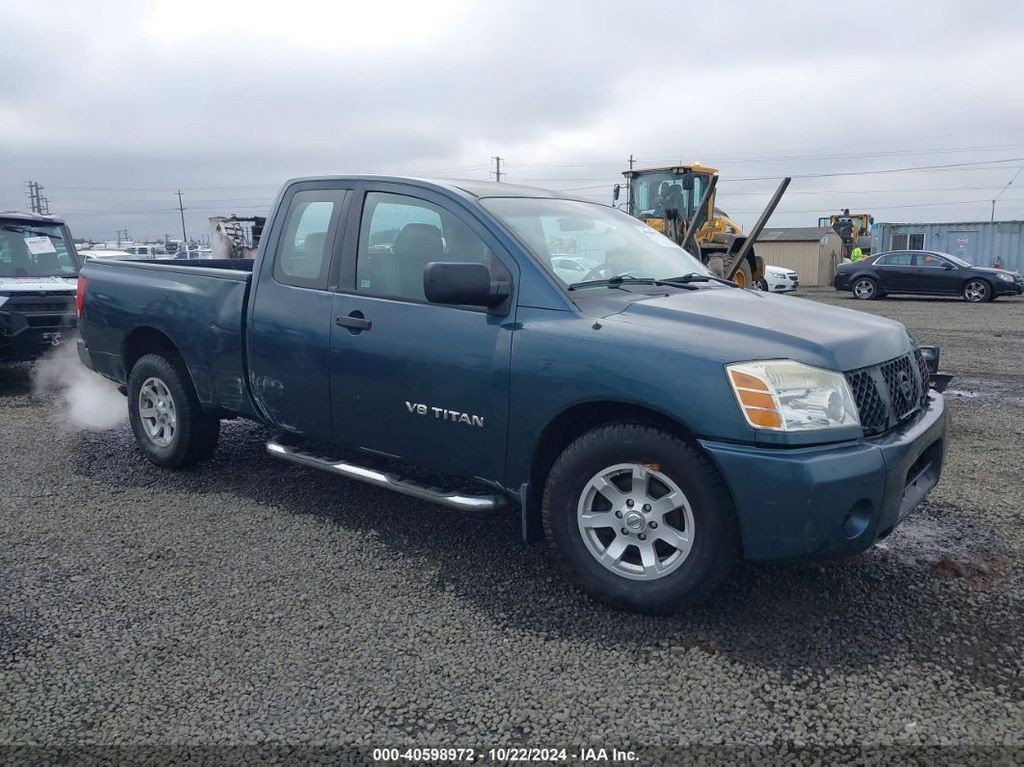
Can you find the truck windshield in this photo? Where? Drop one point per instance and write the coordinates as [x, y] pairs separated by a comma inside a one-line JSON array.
[[582, 241], [34, 250]]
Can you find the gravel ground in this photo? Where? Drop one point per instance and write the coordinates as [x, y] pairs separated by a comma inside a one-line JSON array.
[[252, 601]]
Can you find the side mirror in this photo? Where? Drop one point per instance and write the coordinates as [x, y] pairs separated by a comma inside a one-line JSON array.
[[948, 267], [462, 284], [616, 191]]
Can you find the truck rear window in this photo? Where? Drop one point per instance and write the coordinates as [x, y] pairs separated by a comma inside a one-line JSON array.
[[34, 250]]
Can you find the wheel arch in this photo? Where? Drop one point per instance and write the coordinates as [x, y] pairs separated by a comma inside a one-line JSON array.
[[570, 423], [866, 276], [144, 340], [978, 278], [734, 247]]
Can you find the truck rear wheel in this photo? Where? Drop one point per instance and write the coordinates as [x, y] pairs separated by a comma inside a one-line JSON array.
[[640, 519], [167, 419]]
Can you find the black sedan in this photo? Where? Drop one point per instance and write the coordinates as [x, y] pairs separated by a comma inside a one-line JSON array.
[[925, 272]]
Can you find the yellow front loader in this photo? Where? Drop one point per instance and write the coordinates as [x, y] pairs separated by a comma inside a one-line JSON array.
[[679, 201]]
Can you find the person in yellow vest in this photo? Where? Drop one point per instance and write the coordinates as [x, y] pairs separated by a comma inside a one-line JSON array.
[[856, 254]]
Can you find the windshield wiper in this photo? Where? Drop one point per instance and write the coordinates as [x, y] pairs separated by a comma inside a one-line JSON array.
[[29, 230], [686, 279], [614, 282]]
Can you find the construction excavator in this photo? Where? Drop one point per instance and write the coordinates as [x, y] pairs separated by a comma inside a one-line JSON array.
[[679, 201]]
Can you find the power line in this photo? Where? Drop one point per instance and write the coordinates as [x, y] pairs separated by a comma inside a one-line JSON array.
[[880, 207], [662, 157], [878, 171], [1003, 190], [455, 170]]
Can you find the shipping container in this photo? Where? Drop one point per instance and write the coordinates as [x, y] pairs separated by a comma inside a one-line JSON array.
[[983, 243]]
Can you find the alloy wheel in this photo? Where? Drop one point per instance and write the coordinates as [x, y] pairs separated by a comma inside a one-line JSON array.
[[864, 289], [157, 412], [976, 291], [635, 521]]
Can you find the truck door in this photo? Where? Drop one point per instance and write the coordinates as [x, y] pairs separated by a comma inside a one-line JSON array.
[[290, 317], [423, 382]]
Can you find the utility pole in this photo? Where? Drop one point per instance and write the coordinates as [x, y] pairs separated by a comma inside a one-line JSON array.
[[181, 210], [497, 169], [36, 202], [629, 187]]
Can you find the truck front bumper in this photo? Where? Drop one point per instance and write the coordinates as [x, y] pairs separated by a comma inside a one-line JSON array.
[[836, 500], [20, 342]]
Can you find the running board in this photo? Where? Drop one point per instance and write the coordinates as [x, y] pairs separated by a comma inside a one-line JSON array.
[[388, 481]]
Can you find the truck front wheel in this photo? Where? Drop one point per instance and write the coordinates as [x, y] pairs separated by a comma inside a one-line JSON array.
[[640, 519], [169, 423]]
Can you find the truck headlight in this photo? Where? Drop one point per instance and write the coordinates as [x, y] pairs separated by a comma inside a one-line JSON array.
[[785, 395], [1005, 277]]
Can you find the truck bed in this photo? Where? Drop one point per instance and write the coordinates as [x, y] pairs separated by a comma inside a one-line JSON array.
[[197, 307]]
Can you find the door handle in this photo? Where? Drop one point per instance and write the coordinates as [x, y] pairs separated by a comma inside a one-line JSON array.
[[355, 321]]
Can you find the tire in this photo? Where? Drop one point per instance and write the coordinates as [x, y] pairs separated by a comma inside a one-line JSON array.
[[865, 288], [762, 285], [743, 277], [169, 423], [651, 465], [977, 291]]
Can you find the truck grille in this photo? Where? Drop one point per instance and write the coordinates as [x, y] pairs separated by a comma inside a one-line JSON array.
[[54, 310], [890, 392]]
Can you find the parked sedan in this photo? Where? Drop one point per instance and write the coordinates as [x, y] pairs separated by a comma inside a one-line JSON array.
[[778, 279], [119, 255], [570, 269], [925, 272]]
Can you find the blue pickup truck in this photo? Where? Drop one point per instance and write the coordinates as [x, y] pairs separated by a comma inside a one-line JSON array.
[[481, 345]]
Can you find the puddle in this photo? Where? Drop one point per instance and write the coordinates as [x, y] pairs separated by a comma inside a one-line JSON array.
[[987, 391], [949, 546]]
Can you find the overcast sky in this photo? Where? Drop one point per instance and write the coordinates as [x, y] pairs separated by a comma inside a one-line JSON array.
[[114, 106]]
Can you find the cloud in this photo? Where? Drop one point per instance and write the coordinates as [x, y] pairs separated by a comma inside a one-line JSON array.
[[113, 106]]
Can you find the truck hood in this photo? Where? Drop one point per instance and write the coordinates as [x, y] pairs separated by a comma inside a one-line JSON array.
[[732, 325], [10, 285]]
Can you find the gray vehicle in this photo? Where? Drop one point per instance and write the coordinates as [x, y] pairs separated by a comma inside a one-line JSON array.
[[38, 274]]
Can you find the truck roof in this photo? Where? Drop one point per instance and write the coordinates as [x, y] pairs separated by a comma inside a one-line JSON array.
[[31, 218], [464, 187]]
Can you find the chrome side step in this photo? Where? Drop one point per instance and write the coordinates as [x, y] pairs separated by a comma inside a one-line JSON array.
[[389, 481]]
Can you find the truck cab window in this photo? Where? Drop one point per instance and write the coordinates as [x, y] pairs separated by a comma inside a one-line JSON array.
[[304, 253], [400, 235]]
